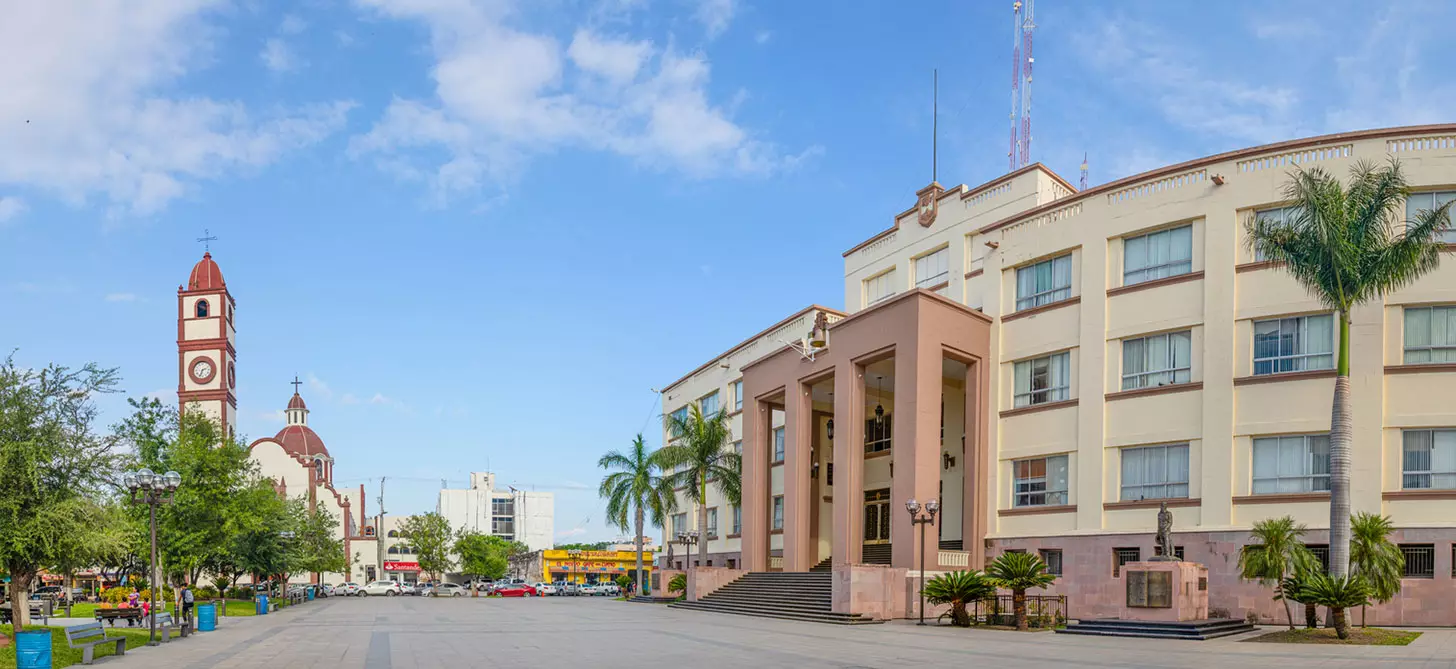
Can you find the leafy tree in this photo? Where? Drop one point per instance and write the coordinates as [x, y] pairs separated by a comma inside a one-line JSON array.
[[636, 489], [480, 557], [679, 583], [959, 588], [256, 541], [1346, 244], [596, 546], [432, 540], [316, 547], [1019, 572], [699, 454], [1337, 593], [1277, 555], [52, 467], [1374, 558], [104, 536]]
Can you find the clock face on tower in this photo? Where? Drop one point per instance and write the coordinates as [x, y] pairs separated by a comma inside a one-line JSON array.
[[203, 369]]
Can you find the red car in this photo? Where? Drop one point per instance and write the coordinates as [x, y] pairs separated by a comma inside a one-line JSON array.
[[516, 590]]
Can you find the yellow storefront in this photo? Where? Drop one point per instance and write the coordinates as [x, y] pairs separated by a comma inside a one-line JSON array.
[[575, 566]]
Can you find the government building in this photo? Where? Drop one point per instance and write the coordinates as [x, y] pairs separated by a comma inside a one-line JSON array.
[[1051, 365]]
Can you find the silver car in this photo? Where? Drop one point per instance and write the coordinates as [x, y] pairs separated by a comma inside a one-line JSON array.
[[448, 590]]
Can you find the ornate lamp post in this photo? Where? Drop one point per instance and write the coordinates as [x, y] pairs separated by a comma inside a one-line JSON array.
[[152, 489], [922, 519], [688, 539]]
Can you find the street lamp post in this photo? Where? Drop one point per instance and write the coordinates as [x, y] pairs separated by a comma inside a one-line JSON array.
[[688, 539], [152, 489], [922, 519]]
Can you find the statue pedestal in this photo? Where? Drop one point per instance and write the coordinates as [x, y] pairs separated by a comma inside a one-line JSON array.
[[1165, 591]]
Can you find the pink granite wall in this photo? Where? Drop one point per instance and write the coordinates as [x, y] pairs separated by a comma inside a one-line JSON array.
[[702, 581], [1092, 592], [664, 577], [1188, 602], [873, 590]]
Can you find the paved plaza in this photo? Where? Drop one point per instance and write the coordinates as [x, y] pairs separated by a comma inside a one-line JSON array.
[[405, 632]]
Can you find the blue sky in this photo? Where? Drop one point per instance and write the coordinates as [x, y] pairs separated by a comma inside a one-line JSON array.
[[483, 231]]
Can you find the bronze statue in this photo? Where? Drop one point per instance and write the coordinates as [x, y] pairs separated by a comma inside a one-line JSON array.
[[1164, 537]]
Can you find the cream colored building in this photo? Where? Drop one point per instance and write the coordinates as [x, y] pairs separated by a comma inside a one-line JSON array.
[[1138, 353]]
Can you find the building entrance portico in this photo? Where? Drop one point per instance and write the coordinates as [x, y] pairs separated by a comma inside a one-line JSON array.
[[892, 408]]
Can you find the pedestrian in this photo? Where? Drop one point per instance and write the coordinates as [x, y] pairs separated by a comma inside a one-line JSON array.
[[187, 602]]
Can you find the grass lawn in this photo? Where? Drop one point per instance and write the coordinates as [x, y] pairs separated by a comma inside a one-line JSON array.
[[234, 608], [1371, 636], [63, 655]]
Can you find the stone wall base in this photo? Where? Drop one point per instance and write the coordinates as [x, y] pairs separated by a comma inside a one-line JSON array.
[[702, 581]]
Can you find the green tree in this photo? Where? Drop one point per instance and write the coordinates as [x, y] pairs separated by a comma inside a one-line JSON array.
[[959, 588], [698, 454], [1346, 245], [636, 490], [679, 583], [432, 540], [52, 467], [1278, 554], [1019, 572], [480, 557], [256, 541], [578, 546], [1374, 558], [316, 547], [1337, 593], [104, 536]]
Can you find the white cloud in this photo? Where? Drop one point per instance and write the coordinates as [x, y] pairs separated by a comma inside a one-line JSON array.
[[292, 25], [94, 110], [379, 398], [121, 297], [715, 15], [503, 95], [278, 56], [318, 387], [344, 38], [763, 36], [10, 207], [275, 417]]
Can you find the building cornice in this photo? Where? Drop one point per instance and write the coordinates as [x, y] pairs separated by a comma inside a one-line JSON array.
[[813, 307]]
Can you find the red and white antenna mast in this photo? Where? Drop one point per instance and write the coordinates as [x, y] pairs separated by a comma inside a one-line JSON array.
[[1015, 83], [1028, 24], [1084, 173]]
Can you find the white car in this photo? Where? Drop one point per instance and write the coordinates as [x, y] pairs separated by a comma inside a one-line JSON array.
[[590, 589], [545, 589], [347, 589], [447, 590], [385, 588]]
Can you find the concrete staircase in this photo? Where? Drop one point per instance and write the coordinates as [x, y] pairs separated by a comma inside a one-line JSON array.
[[824, 567], [1197, 630], [803, 596]]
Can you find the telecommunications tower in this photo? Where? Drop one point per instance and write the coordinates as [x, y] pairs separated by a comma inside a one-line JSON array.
[[1023, 22]]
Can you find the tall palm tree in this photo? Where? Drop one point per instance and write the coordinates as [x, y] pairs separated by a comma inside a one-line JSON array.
[[1279, 554], [636, 489], [1374, 558], [699, 454], [1346, 244], [1019, 572]]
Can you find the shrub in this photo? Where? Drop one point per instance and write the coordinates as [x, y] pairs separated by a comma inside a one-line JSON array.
[[1019, 572], [679, 583], [115, 595], [205, 592], [239, 593], [958, 588]]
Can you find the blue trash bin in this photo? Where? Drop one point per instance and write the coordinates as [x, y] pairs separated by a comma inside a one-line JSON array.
[[33, 649], [311, 589], [206, 617], [262, 605]]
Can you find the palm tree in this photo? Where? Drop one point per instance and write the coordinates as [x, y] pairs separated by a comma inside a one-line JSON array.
[[1374, 558], [1338, 593], [1279, 554], [1346, 245], [1019, 572], [636, 490], [698, 452], [959, 588]]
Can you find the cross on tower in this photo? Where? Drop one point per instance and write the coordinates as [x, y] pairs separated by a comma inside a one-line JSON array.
[[206, 237], [296, 384]]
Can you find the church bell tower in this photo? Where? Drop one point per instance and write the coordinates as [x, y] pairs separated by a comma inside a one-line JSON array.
[[207, 379]]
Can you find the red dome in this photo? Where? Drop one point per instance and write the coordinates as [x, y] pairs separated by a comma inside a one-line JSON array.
[[296, 402], [205, 275], [301, 440]]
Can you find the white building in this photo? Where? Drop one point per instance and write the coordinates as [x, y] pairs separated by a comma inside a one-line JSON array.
[[519, 515]]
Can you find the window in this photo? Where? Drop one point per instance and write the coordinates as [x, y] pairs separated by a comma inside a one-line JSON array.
[[1178, 552], [393, 533], [1278, 216], [393, 550], [1157, 360], [1157, 255], [1044, 282], [713, 523], [1155, 472], [878, 433], [1418, 202], [1322, 553], [933, 270], [709, 404], [879, 288], [1044, 379], [1122, 556], [1053, 559], [738, 447], [202, 309], [1428, 460], [681, 415], [737, 520], [737, 395], [1293, 464], [778, 512], [877, 516], [778, 437], [503, 506], [1420, 560], [503, 526], [1430, 334], [732, 563], [679, 523], [1040, 481], [1294, 344]]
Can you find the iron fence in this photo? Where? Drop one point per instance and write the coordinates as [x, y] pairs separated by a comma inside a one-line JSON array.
[[1042, 611]]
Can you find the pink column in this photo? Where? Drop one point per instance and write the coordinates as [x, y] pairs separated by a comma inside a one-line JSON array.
[[916, 448], [848, 489], [977, 472], [754, 546], [798, 505]]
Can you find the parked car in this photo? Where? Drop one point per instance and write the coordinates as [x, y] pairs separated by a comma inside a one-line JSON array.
[[590, 590], [326, 590], [517, 590], [348, 589], [377, 588], [448, 590], [571, 589], [408, 589], [545, 589], [609, 589], [58, 593]]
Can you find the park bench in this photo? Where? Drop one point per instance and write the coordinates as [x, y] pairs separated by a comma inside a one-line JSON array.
[[130, 615], [38, 609], [166, 624], [87, 637]]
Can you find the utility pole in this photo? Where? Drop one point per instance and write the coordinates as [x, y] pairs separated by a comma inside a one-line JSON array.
[[379, 533]]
